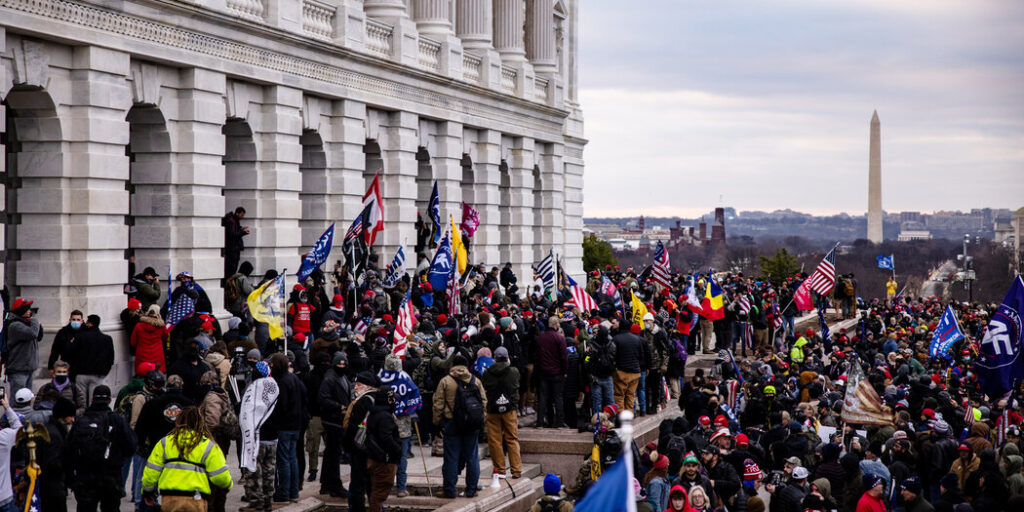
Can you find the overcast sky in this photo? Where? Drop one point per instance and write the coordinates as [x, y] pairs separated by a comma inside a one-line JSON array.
[[767, 104]]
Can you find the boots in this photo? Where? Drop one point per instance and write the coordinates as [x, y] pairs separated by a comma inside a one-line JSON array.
[[268, 504]]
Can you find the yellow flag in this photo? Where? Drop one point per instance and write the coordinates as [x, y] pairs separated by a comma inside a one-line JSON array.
[[639, 310], [266, 304], [458, 249]]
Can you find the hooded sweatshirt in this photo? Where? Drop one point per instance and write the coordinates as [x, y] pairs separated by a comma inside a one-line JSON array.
[[979, 437], [676, 489], [1012, 473]]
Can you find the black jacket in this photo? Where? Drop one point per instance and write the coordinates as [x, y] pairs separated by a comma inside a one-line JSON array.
[[631, 352], [190, 374], [312, 382], [92, 352], [233, 234], [290, 411], [383, 443], [790, 498], [83, 472], [359, 409], [60, 345], [155, 418], [334, 395]]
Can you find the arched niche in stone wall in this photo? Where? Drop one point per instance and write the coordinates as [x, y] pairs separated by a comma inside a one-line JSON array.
[[241, 180], [32, 142], [314, 196], [150, 188]]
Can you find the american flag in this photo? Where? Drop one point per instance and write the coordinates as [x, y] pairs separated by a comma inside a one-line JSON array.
[[824, 277], [181, 309], [403, 325], [580, 297], [743, 303], [777, 318], [453, 292], [1001, 424], [968, 413], [361, 326], [733, 386], [661, 268], [748, 334]]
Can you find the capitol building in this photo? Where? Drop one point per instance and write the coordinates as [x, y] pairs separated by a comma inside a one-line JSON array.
[[131, 127]]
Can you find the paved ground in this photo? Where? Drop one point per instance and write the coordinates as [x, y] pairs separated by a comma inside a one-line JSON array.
[[933, 287]]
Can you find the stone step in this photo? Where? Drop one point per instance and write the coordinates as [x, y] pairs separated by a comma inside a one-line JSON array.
[[416, 484]]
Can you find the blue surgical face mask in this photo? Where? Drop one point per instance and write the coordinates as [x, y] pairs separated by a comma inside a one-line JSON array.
[[75, 324]]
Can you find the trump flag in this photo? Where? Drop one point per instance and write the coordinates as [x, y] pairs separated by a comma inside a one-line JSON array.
[[947, 332], [999, 365]]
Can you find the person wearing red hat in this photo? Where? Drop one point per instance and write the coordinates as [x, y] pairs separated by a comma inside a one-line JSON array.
[[23, 335], [656, 482], [300, 314]]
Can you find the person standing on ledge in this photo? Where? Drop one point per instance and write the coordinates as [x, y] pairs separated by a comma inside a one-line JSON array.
[[234, 231]]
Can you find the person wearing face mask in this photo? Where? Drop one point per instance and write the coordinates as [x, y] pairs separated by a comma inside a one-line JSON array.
[[50, 457], [190, 368], [92, 356], [63, 336], [61, 387]]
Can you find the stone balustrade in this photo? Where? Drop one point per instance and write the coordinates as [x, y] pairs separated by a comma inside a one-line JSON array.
[[540, 89], [472, 68], [379, 38], [249, 9], [508, 79], [318, 19], [430, 54]]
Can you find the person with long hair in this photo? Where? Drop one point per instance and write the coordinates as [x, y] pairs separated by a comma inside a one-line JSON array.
[[183, 465]]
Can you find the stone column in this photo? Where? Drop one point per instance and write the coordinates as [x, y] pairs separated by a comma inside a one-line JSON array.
[[447, 162], [434, 21], [540, 36], [508, 29], [398, 143], [573, 204], [405, 39], [345, 158], [474, 24], [276, 129], [520, 164], [195, 235], [551, 198], [486, 196]]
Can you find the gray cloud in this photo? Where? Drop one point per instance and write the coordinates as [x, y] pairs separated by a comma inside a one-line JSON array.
[[767, 104]]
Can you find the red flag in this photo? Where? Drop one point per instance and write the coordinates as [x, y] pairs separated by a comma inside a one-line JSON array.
[[470, 219], [802, 297], [373, 198]]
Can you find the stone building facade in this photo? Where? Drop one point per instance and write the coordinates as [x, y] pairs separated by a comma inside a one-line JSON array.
[[132, 127]]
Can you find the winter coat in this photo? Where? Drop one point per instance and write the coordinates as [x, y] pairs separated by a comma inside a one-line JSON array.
[[290, 412], [505, 376], [789, 499], [979, 437], [963, 471], [23, 345], [148, 293], [918, 505], [444, 397], [1012, 473], [154, 421], [631, 352], [218, 362], [383, 443], [71, 391], [60, 343], [214, 405], [148, 339], [550, 356], [190, 374], [92, 352], [335, 395]]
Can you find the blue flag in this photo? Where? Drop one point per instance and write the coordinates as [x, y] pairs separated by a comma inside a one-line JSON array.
[[885, 262], [317, 255], [947, 332], [434, 210], [999, 365], [407, 395], [395, 270], [441, 266], [613, 492]]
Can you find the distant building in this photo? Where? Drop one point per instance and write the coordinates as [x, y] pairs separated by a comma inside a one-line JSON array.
[[718, 228], [907, 236]]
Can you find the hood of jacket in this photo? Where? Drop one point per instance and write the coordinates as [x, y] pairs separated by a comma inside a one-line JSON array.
[[825, 487], [980, 429], [151, 321], [215, 358], [1014, 463], [686, 497], [460, 372]]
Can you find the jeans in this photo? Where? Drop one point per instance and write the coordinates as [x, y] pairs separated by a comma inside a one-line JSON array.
[[403, 464], [551, 395], [602, 393], [789, 323], [460, 449], [19, 381], [287, 466], [138, 464], [641, 393]]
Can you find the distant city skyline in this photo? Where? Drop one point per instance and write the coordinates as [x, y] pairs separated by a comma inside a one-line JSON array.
[[768, 105]]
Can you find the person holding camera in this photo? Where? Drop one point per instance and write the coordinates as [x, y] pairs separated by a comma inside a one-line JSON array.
[[234, 231], [23, 335]]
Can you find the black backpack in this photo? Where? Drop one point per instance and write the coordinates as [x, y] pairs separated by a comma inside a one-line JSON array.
[[602, 363], [91, 442], [676, 448], [468, 412]]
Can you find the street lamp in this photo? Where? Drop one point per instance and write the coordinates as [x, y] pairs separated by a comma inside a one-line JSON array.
[[967, 269]]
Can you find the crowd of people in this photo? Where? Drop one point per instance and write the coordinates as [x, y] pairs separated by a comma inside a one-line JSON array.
[[763, 429]]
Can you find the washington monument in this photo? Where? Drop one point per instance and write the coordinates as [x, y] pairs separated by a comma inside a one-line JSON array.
[[875, 182]]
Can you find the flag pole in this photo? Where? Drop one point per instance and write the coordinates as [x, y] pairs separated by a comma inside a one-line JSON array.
[[626, 435]]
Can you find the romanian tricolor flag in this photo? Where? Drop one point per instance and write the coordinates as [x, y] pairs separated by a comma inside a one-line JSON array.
[[712, 306]]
